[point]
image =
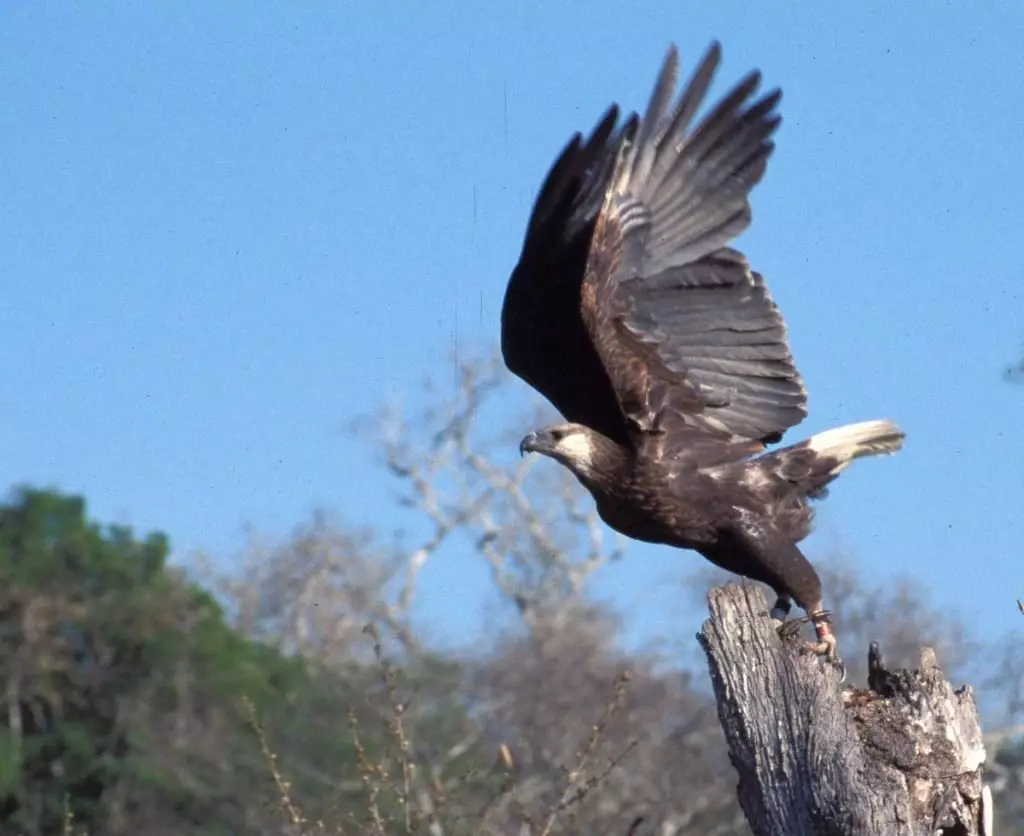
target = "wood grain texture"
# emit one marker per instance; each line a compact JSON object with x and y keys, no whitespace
{"x":815,"y":757}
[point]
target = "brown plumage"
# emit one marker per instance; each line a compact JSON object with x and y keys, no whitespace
{"x":664,"y":350}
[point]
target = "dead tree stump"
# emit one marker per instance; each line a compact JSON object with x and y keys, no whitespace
{"x":815,"y":757}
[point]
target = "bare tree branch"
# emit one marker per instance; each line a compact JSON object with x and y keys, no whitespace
{"x":462,"y":480}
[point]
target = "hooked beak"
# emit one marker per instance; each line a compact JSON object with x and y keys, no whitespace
{"x":529,"y":444}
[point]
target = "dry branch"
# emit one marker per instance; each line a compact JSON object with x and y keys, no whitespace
{"x":903,"y":758}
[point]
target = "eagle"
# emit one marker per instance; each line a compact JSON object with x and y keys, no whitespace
{"x":663,"y":350}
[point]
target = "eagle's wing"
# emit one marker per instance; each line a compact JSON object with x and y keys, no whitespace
{"x":687,"y":332}
{"x":543,"y":338}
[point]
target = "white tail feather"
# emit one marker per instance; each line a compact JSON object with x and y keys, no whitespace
{"x":868,"y":438}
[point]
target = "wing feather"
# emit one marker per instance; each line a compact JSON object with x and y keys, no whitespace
{"x":687,"y":332}
{"x":628,"y":309}
{"x":543,"y":339}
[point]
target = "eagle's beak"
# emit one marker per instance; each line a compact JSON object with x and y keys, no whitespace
{"x":528,"y":444}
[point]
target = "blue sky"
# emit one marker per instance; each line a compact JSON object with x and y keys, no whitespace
{"x":227,"y":228}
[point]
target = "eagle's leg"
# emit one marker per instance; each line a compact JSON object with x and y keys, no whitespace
{"x":778,"y":562}
{"x":826,"y":645}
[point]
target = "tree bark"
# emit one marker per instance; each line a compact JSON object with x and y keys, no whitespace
{"x":903,"y":758}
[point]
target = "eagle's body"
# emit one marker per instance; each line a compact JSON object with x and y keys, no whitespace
{"x":663,"y":349}
{"x":744,"y":515}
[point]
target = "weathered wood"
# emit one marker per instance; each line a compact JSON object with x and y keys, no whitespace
{"x":816,"y":758}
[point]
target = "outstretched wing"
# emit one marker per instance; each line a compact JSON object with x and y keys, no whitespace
{"x":688,"y":333}
{"x":543,"y":338}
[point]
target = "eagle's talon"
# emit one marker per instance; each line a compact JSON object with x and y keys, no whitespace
{"x":827,"y":651}
{"x":837,"y":663}
{"x":826,"y":645}
{"x":789,"y":629}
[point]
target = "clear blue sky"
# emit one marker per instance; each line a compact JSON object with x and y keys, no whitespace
{"x":227,"y":228}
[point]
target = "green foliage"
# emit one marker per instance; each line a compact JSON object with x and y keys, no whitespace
{"x":127,"y":679}
{"x":126,"y":688}
{"x":46,"y":543}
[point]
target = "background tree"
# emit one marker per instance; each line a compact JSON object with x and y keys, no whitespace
{"x":125,"y":680}
{"x":125,"y":692}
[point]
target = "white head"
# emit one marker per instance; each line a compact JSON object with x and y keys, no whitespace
{"x":573,"y":445}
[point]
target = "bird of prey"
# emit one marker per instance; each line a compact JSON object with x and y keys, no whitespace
{"x":663,"y":350}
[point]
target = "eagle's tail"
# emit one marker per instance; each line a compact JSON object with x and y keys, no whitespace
{"x":812,"y":464}
{"x":840,"y":446}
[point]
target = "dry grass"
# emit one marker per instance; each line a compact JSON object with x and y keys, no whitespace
{"x":68,"y":828}
{"x":292,"y":812}
{"x":580,"y":782}
{"x":398,"y":798}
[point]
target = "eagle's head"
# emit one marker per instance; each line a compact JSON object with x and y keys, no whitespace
{"x":575,"y":446}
